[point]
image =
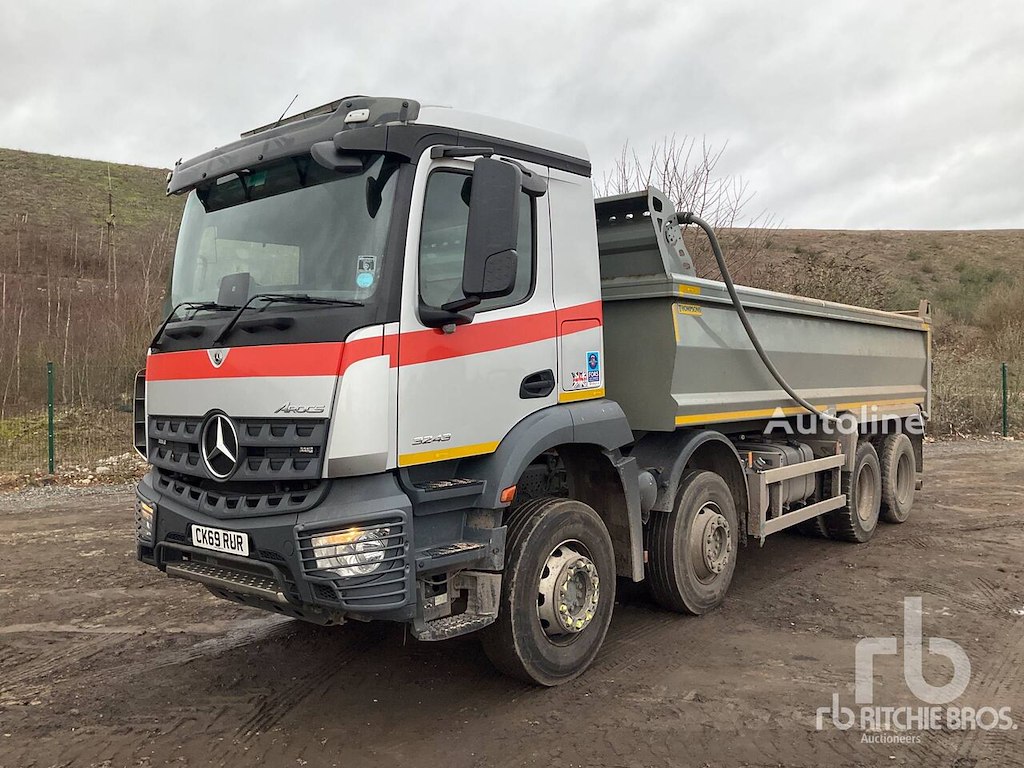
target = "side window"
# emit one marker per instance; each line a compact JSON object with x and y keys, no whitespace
{"x":443,"y":243}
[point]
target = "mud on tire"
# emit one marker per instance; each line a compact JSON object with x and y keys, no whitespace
{"x":899,"y":475}
{"x":692,"y":549}
{"x":557,"y":592}
{"x":858,"y":520}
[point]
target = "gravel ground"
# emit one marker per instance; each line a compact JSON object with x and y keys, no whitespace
{"x":105,"y":662}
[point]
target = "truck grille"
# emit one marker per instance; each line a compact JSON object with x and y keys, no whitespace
{"x":226,"y":500}
{"x":270,"y":449}
{"x":386,"y":588}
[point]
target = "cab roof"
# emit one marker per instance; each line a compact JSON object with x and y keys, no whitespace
{"x":404,"y":125}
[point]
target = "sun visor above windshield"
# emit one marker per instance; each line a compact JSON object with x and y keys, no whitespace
{"x":291,"y":137}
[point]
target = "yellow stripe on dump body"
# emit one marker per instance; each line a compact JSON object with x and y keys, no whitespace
{"x":766,"y":413}
{"x":581,"y":394}
{"x":426,"y":457}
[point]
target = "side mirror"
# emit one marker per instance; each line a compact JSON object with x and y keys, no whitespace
{"x":492,"y":235}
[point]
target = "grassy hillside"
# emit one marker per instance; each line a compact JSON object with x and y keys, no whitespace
{"x":60,"y":195}
{"x":69,"y":295}
{"x":956,"y":270}
{"x":78,"y":287}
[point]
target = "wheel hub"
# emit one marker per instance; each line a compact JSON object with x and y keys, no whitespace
{"x":710,"y":542}
{"x":569,"y":590}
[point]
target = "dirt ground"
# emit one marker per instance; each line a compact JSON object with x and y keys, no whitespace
{"x":106,"y":662}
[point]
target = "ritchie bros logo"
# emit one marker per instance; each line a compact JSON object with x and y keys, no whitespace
{"x":902,"y":724}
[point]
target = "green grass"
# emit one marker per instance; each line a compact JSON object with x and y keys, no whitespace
{"x":61,"y":192}
{"x":82,"y":437}
{"x":974,"y":283}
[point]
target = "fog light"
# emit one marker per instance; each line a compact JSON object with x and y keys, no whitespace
{"x":145,"y":521}
{"x":350,"y":553}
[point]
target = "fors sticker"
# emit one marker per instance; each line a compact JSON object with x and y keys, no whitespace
{"x":593,"y":367}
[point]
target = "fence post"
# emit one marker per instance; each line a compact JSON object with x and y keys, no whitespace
{"x":49,"y":417}
{"x":1006,"y":403}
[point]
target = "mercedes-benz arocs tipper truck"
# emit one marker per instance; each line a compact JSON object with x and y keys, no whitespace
{"x":411,"y":370}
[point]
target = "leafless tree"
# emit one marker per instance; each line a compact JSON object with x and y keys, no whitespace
{"x":685,"y":169}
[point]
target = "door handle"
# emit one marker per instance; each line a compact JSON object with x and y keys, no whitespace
{"x":537,"y":384}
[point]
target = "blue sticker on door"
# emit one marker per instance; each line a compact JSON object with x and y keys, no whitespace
{"x":593,"y":367}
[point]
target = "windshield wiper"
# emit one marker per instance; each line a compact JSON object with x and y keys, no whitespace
{"x":274,"y":298}
{"x":195,"y":306}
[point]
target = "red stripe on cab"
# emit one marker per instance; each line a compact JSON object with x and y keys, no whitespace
{"x":320,"y":359}
{"x":412,"y":348}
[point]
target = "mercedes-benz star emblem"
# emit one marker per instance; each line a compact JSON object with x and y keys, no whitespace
{"x":219,"y":446}
{"x":217,"y":356}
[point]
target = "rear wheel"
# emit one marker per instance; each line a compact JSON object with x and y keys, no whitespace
{"x":557,"y":592}
{"x":858,"y":520}
{"x":899,"y":475}
{"x":693,"y":547}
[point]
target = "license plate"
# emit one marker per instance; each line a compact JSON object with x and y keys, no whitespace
{"x":231,"y":542}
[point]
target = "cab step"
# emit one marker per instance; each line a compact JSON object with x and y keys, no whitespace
{"x":431,"y":496}
{"x":433,"y":486}
{"x":228,"y":579}
{"x":452,"y":626}
{"x":447,"y":555}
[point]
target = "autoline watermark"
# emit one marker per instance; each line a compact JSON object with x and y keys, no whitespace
{"x":904,"y":724}
{"x":847,"y":423}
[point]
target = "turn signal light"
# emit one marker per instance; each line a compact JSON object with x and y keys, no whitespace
{"x":145,"y":521}
{"x":508,"y":495}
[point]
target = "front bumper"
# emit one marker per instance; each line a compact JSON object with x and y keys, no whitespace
{"x":279,"y":573}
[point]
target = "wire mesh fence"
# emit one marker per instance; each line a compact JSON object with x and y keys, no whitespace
{"x":91,"y":419}
{"x":977,"y":397}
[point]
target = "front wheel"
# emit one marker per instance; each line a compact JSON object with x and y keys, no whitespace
{"x":557,"y":592}
{"x":693,"y":547}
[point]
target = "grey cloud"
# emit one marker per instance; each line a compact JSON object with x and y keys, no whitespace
{"x":839,"y":114}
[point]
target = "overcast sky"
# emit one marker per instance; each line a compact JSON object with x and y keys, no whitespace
{"x":839,"y":114}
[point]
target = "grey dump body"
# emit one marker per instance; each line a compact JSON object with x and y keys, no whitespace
{"x":678,"y":356}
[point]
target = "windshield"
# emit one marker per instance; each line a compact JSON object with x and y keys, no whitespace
{"x":293,"y":227}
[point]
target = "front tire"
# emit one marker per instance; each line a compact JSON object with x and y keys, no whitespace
{"x":557,"y":592}
{"x":693,"y":547}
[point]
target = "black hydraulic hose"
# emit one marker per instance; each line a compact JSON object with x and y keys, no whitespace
{"x":692,"y":218}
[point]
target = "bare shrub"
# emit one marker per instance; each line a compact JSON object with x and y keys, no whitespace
{"x":1001,"y":316}
{"x":828,"y":279}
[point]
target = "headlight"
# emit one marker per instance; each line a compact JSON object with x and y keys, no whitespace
{"x":145,"y":520}
{"x":352,"y":553}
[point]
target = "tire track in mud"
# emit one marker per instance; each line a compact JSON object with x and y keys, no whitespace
{"x":222,"y":717}
{"x":30,"y":679}
{"x":995,"y":685}
{"x":1007,"y":521}
{"x":254,"y":630}
{"x":961,"y":595}
{"x":265,"y":710}
{"x":999,"y":685}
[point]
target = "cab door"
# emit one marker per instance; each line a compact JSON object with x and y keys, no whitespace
{"x":460,"y":391}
